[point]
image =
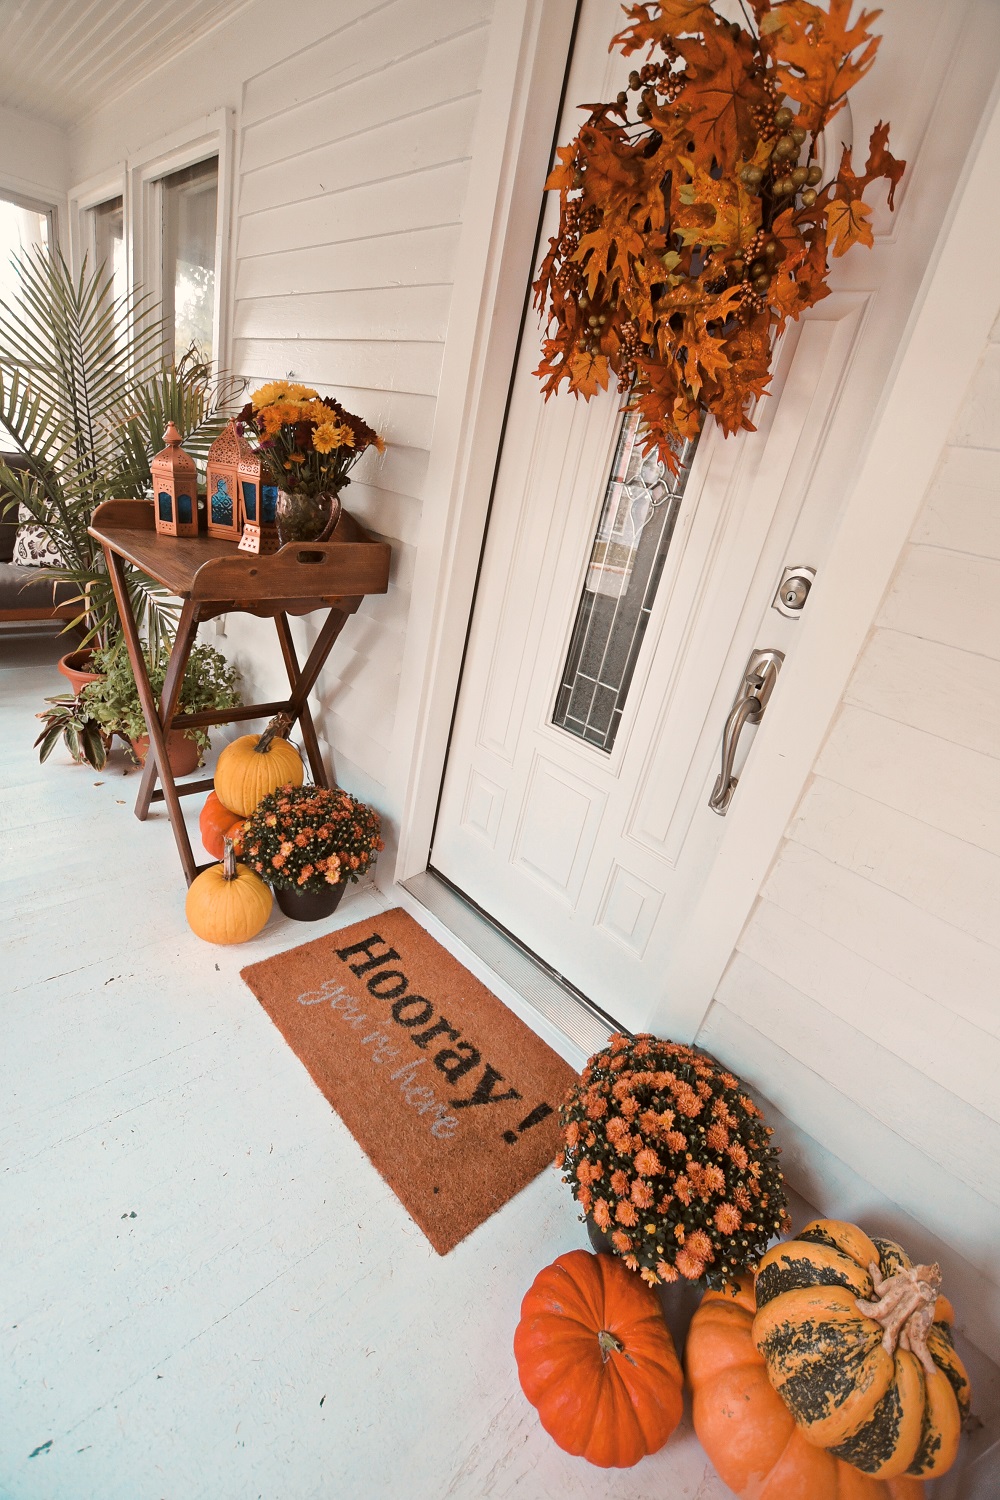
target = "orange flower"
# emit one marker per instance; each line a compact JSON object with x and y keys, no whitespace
{"x":597,"y":1107}
{"x":571,"y":1134}
{"x":665,"y":1272}
{"x":650,"y":1277}
{"x":676,"y":1141}
{"x":626,"y":1214}
{"x":689,"y":1265}
{"x":727,"y":1218}
{"x":619,"y":1183}
{"x":602,"y":1213}
{"x":737,"y":1154}
{"x":641,"y":1194}
{"x":589,"y":1171}
{"x":742,"y":1197}
{"x":631,"y":1262}
{"x":647,"y":1163}
{"x":717,"y":1136}
{"x":698,"y":1243}
{"x":618,"y":1132}
{"x":621,"y":1241}
{"x":682,"y":1189}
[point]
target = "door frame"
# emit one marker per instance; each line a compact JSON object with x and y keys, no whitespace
{"x":947,"y":330}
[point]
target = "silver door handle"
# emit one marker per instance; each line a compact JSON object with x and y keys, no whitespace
{"x":759,"y":677}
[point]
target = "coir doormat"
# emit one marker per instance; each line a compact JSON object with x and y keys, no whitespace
{"x":453,"y":1099}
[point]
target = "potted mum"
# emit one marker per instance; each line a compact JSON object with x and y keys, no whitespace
{"x":671,"y":1162}
{"x":308,"y":842}
{"x":307,"y":443}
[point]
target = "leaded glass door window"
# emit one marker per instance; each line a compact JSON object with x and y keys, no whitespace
{"x":634,"y":531}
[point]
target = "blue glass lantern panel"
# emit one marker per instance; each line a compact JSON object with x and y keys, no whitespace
{"x":185,"y":510}
{"x":165,"y":506}
{"x":268,"y":502}
{"x":222,"y":504}
{"x":250,"y":500}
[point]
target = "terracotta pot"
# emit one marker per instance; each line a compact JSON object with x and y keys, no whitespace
{"x":182,"y":751}
{"x":73,"y":666}
{"x":310,"y":906}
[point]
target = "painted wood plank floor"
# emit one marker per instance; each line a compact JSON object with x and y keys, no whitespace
{"x":207,"y":1291}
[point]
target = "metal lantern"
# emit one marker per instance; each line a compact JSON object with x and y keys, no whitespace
{"x":175,"y":488}
{"x":224,"y":459}
{"x":257,"y":505}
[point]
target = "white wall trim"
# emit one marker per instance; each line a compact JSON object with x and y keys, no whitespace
{"x":523,"y":74}
{"x":212,"y":135}
{"x":87,"y":195}
{"x":944,"y":341}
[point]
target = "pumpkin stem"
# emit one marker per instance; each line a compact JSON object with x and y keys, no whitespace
{"x":228,"y":860}
{"x":280,"y":727}
{"x":904,"y":1309}
{"x":610,"y":1344}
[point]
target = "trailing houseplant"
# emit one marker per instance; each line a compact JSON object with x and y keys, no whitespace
{"x":210,"y":682}
{"x":699,"y":209}
{"x":307,"y":444}
{"x":86,"y":393}
{"x":667,"y":1154}
{"x":308,"y":842}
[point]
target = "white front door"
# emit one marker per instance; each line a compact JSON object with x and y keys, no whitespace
{"x":616,"y":613}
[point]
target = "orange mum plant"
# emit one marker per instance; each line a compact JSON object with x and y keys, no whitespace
{"x":667,"y":1153}
{"x":690,"y":234}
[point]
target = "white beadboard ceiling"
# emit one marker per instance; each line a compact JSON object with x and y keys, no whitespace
{"x":61,"y":59}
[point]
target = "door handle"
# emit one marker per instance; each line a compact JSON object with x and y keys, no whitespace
{"x":759,"y":677}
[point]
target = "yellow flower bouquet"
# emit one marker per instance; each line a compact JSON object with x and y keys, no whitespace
{"x":669,"y":1157}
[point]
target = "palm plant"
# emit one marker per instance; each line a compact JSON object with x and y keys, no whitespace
{"x":86,"y":394}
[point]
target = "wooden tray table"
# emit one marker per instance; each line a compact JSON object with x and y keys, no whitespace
{"x":212,"y":578}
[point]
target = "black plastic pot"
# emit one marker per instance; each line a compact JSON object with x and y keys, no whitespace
{"x":309,"y":906}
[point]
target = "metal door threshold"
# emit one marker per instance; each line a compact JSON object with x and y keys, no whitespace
{"x":564,"y":1006}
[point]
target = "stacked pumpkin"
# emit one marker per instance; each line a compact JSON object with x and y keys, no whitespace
{"x":832,"y":1375}
{"x":229,"y":903}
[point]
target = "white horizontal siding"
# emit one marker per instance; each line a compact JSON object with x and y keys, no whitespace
{"x":864,"y":996}
{"x":353,"y":168}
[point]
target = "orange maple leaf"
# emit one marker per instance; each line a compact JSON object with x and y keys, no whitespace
{"x":716,"y":211}
{"x":588,"y":373}
{"x":847,"y":225}
{"x":813,"y":50}
{"x":675,"y":17}
{"x":723,"y":88}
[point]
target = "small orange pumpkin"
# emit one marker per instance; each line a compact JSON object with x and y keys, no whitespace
{"x":217,"y":824}
{"x":744,"y":1426}
{"x":596,"y":1359}
{"x":228,"y":903}
{"x":255,"y":765}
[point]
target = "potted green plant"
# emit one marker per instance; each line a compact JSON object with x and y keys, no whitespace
{"x":308,"y":842}
{"x":210,"y":682}
{"x":86,"y":392}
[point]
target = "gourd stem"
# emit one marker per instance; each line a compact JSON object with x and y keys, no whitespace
{"x":228,"y":860}
{"x":280,"y":727}
{"x":609,"y":1344}
{"x":904,"y":1308}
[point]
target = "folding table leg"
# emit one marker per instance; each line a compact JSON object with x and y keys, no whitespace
{"x":309,"y":737}
{"x":116,"y":568}
{"x":187,"y":629}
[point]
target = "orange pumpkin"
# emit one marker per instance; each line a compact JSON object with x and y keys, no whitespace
{"x":217,"y":824}
{"x":596,"y":1359}
{"x":744,"y":1426}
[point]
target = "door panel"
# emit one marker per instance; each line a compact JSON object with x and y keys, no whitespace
{"x":593,"y":853}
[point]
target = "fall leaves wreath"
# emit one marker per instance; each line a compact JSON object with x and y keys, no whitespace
{"x":690,"y":234}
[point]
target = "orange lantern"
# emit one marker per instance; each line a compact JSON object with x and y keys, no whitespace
{"x":257,"y":503}
{"x":224,"y":458}
{"x":175,"y":488}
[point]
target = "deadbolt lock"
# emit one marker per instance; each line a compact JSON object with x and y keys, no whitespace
{"x":793,"y":591}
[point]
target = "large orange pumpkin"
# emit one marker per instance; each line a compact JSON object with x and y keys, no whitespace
{"x":217,"y":824}
{"x":255,"y":765}
{"x":744,"y":1426}
{"x":857,"y":1343}
{"x":227,"y":903}
{"x":596,"y":1358}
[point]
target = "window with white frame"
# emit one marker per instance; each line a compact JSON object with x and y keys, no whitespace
{"x":189,"y":201}
{"x":106,"y":247}
{"x":23,"y":226}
